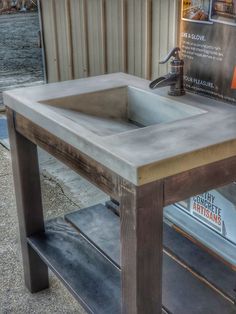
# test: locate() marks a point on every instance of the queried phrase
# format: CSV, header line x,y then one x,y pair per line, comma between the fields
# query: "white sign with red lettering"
x,y
216,211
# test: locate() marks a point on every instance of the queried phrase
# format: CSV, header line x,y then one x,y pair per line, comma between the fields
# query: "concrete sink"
x,y
141,134
119,110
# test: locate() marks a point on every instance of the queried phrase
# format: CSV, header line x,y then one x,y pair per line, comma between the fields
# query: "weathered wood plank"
x,y
199,180
141,248
29,204
88,168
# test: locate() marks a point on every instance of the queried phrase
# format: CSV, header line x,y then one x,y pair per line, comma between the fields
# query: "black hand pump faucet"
x,y
174,79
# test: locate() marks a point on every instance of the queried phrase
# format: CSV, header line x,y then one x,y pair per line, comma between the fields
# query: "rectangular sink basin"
x,y
119,110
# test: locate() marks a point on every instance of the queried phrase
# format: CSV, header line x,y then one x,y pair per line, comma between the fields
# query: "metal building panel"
x,y
50,40
96,37
116,35
63,26
138,37
92,37
79,38
164,36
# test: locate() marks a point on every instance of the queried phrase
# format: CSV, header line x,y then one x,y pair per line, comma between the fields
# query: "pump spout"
x,y
166,80
174,79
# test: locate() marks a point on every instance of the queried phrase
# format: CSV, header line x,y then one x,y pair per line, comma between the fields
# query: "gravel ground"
x,y
20,56
14,298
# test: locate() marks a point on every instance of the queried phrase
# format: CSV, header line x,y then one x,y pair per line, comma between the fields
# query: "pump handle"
x,y
173,53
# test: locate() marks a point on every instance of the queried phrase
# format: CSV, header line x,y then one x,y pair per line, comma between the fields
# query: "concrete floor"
x,y
63,191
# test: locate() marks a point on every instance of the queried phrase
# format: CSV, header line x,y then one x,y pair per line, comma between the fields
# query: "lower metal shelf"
x,y
91,278
87,261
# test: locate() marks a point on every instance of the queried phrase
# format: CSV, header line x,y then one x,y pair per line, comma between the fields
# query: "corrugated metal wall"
x,y
92,37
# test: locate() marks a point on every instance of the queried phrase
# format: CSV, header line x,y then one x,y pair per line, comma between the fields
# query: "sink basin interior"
x,y
120,110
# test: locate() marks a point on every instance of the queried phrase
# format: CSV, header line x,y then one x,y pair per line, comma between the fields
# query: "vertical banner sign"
x,y
208,43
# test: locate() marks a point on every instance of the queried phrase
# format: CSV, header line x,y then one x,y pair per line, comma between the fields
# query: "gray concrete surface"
x,y
143,155
58,197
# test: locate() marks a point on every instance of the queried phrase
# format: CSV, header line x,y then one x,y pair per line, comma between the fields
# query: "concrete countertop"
x,y
141,155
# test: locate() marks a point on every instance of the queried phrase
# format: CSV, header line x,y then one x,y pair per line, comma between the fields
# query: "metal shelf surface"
x,y
91,278
183,292
85,254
